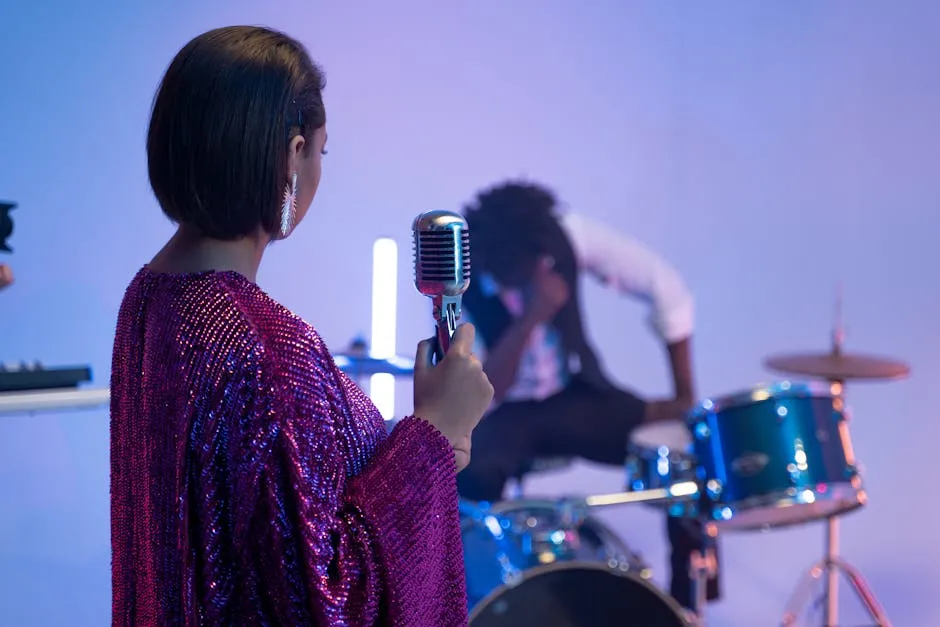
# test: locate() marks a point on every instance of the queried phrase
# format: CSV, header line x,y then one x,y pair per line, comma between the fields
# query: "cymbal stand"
x,y
358,346
703,565
832,565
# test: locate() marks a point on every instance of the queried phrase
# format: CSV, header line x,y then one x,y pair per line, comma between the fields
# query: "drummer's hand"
x,y
550,291
6,275
666,410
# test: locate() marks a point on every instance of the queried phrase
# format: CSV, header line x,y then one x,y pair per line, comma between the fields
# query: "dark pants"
x,y
579,421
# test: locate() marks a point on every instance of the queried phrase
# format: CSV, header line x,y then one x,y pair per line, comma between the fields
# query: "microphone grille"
x,y
437,252
441,253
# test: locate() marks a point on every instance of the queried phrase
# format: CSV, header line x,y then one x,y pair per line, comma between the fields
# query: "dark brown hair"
x,y
511,225
222,120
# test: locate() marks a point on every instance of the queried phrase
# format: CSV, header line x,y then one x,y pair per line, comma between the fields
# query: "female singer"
x,y
252,483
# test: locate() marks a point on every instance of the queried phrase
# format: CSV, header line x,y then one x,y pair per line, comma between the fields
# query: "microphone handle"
x,y
442,343
445,312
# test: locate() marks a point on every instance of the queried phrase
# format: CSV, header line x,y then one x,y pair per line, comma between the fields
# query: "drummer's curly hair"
x,y
509,222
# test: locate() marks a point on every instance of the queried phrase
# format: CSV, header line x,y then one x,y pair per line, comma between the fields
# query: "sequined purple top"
x,y
252,483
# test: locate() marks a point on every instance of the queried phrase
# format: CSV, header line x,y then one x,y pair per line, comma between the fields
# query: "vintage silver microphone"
x,y
442,268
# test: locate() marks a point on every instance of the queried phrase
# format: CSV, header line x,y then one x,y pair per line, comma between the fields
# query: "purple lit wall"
x,y
768,149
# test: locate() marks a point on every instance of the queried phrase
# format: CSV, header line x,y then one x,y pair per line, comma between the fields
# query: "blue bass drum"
x,y
538,563
776,455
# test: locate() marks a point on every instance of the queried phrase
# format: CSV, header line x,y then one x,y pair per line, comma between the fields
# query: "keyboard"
x,y
34,376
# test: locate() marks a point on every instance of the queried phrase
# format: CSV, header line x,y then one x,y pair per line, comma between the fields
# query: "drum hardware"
x,y
659,455
479,513
831,566
512,576
358,364
836,368
682,491
703,565
569,514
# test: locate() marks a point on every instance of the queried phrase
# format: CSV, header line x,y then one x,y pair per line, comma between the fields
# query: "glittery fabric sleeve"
x,y
383,548
252,483
412,499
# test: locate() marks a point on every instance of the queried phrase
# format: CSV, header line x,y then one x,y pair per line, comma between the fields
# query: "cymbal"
x,y
839,366
358,365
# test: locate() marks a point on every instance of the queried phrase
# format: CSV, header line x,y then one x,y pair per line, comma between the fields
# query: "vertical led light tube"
x,y
384,309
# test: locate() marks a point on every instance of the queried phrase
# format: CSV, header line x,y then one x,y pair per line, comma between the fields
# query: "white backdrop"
x,y
768,149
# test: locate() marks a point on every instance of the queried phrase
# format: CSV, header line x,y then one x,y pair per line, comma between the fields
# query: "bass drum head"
x,y
578,595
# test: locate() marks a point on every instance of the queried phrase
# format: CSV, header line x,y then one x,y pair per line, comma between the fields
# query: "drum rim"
x,y
504,507
646,464
583,517
530,573
778,389
646,426
780,500
634,447
646,453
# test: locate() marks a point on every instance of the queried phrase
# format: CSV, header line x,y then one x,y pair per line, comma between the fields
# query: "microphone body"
x,y
442,268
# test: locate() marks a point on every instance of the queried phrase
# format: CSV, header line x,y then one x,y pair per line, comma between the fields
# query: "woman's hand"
x,y
453,394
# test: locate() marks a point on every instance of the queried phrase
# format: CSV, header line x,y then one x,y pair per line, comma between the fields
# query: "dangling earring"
x,y
289,206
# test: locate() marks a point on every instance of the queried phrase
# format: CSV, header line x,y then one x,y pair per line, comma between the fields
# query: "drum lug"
x,y
702,432
511,575
714,488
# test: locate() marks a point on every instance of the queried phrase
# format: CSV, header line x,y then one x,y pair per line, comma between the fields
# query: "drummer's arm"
x,y
501,362
628,266
680,362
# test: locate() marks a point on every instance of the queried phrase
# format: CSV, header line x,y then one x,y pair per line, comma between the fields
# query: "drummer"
x,y
552,398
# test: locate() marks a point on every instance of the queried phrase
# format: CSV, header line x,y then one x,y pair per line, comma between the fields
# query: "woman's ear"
x,y
295,152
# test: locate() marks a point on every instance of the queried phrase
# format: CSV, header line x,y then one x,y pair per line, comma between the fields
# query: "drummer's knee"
x,y
481,482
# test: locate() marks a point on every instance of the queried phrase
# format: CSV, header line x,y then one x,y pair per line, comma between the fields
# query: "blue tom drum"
x,y
776,455
659,456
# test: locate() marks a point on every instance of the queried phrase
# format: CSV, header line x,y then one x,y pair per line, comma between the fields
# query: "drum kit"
x,y
769,457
